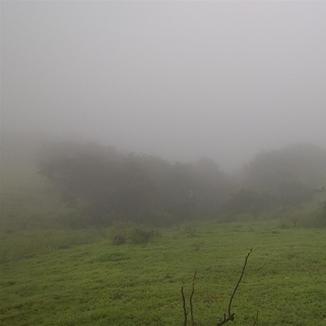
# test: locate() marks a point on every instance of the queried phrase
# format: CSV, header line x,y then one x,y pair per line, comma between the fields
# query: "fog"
x,y
148,148
175,79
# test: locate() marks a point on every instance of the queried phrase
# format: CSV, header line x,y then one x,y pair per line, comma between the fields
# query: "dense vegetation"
x,y
132,187
86,185
112,186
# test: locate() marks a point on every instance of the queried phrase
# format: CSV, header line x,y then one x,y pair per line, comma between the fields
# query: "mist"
x,y
173,79
162,163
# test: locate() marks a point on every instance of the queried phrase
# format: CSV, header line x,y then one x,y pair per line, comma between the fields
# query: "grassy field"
x,y
80,278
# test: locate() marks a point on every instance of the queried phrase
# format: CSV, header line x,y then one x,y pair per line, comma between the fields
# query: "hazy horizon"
x,y
177,80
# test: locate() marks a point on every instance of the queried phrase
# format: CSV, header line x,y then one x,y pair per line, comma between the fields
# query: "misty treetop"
x,y
116,186
134,187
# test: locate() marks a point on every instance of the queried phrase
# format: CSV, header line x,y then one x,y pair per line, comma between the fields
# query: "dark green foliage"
x,y
137,188
323,210
119,234
279,180
122,234
319,218
287,176
109,186
139,236
248,201
119,239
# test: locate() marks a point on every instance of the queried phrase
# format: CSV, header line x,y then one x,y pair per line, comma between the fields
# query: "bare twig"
x,y
230,315
226,319
190,300
185,313
255,320
239,281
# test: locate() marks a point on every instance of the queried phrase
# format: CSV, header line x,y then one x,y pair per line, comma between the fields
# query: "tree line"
x,y
111,185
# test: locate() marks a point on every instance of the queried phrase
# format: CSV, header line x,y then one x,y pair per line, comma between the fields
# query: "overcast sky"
x,y
177,79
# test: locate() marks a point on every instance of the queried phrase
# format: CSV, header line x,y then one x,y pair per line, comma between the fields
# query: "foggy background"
x,y
178,80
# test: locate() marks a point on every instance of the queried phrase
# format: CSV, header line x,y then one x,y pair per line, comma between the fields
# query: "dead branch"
x,y
190,300
185,313
229,316
255,320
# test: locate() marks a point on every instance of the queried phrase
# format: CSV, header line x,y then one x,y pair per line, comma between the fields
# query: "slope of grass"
x,y
28,201
93,282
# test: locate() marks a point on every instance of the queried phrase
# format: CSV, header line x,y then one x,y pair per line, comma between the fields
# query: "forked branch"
x,y
190,300
185,313
229,316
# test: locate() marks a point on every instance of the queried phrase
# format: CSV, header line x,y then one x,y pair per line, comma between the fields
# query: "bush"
x,y
119,239
119,234
139,236
122,234
320,219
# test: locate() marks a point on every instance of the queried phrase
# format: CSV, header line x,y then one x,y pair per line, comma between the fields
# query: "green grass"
x,y
28,201
80,278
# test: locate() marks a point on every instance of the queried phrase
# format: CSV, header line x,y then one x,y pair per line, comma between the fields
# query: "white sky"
x,y
177,79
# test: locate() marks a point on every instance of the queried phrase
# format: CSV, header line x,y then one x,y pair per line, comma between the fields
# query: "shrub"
x,y
139,236
119,239
119,234
122,234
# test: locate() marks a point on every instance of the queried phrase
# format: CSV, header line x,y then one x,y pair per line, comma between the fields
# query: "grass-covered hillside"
x,y
27,198
69,254
81,278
